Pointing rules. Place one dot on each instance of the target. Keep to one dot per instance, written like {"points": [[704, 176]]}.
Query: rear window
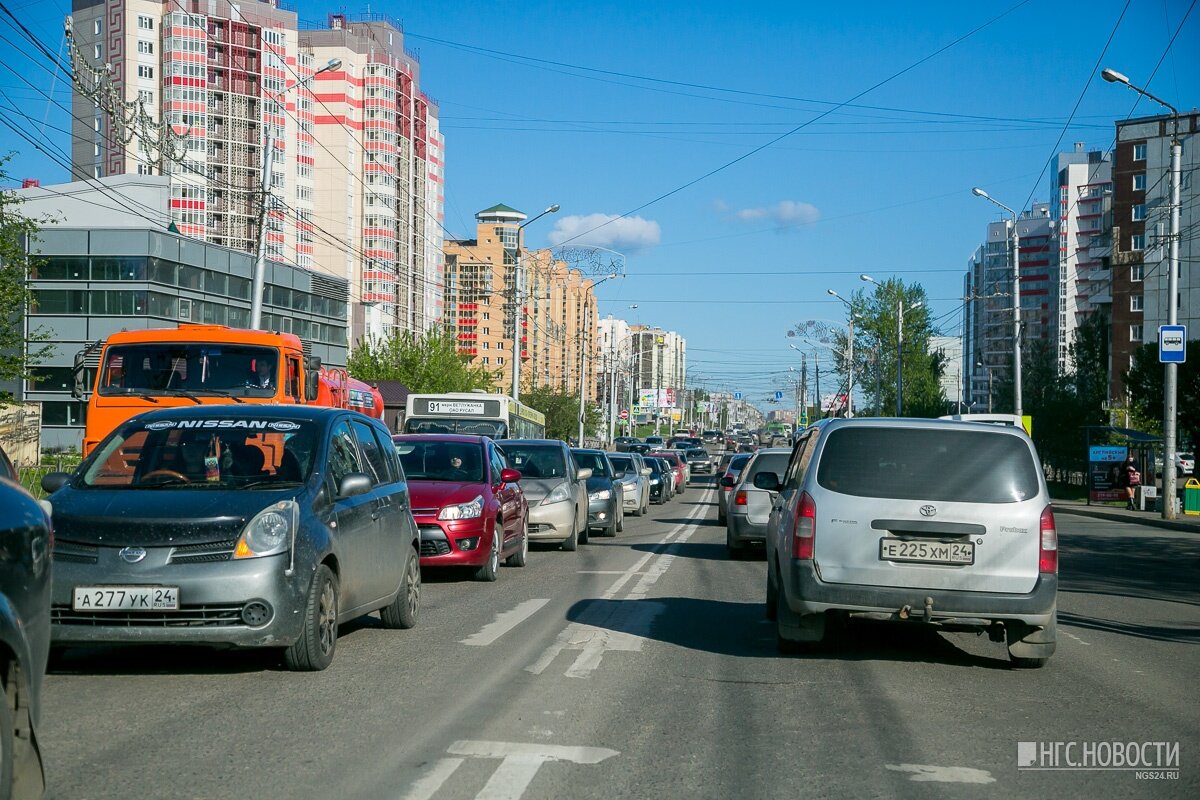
{"points": [[738, 462], [536, 461], [621, 464], [775, 463], [924, 464]]}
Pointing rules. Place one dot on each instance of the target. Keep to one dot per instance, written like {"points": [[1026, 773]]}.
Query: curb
{"points": [[1184, 525]]}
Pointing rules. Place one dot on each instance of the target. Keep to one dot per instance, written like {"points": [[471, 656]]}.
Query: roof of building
{"points": [[394, 393], [500, 208]]}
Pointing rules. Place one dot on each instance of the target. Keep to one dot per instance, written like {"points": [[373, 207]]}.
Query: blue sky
{"points": [[876, 188]]}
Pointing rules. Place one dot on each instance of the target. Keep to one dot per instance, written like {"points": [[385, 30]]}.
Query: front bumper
{"points": [[603, 514], [212, 598], [743, 531], [551, 523], [806, 593], [443, 542]]}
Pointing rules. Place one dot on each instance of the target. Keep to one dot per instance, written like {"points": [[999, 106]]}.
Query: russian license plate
{"points": [[927, 552], [126, 598]]}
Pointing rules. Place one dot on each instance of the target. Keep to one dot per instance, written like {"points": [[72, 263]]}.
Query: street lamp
{"points": [[268, 162], [516, 315], [989, 368], [583, 354], [849, 354], [900, 309], [1016, 298], [1171, 370]]}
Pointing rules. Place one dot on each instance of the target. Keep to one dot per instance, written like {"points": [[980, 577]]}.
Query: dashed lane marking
{"points": [[504, 622], [928, 772]]}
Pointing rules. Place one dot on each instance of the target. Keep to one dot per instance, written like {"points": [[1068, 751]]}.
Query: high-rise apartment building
{"points": [[197, 89], [1082, 182], [1140, 229], [660, 360], [559, 321]]}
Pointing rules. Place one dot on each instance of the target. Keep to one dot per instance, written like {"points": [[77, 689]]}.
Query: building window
{"points": [[96, 149], [1139, 212], [486, 331], [145, 23], [1139, 152], [499, 359], [1137, 272], [97, 26], [146, 48], [98, 51], [98, 171], [486, 315], [1139, 182], [1135, 302], [145, 169], [1135, 333], [485, 360], [145, 71], [1137, 241], [145, 96]]}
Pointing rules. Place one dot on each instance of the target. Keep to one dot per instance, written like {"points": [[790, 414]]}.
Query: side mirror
{"points": [[53, 481], [647, 471], [728, 481], [508, 475], [354, 484], [312, 384], [583, 474], [768, 481], [78, 387]]}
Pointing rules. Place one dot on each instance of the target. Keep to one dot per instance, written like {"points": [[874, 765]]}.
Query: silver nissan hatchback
{"points": [[928, 522]]}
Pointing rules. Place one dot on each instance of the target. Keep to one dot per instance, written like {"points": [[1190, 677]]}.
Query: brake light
{"points": [[739, 499], [1048, 545], [804, 534]]}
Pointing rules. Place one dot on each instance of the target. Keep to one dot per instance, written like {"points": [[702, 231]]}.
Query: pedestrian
{"points": [[1130, 479]]}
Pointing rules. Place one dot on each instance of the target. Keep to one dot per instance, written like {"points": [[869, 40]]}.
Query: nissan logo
{"points": [[928, 511], [132, 554]]}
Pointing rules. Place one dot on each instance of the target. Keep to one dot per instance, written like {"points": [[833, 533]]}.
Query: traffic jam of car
{"points": [[269, 526]]}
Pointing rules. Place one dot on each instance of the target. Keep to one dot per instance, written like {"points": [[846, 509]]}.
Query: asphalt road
{"points": [[642, 667]]}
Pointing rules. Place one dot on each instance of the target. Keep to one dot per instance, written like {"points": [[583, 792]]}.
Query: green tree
{"points": [[562, 411], [425, 363], [17, 232], [875, 333], [1144, 381]]}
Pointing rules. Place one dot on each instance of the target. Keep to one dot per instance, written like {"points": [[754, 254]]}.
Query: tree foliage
{"points": [[1144, 381], [425, 363], [17, 357], [562, 412]]}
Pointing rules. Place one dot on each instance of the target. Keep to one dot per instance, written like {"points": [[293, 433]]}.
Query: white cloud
{"points": [[625, 233], [785, 212]]}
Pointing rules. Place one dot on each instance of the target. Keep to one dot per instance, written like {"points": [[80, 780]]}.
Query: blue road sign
{"points": [[737, 395], [1172, 344], [778, 395]]}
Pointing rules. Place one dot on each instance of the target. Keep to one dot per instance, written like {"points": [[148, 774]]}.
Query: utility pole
{"points": [[518, 276]]}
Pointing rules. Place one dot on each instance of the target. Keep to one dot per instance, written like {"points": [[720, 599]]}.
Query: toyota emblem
{"points": [[928, 511], [132, 554]]}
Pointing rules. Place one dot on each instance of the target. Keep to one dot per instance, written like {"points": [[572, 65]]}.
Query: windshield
{"points": [[249, 453], [596, 462], [493, 428], [441, 461], [537, 461], [162, 368], [924, 464], [697, 452]]}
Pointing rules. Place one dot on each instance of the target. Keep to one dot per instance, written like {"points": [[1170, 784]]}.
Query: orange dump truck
{"points": [[197, 364]]}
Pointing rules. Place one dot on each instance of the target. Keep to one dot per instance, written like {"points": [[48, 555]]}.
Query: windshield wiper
{"points": [[140, 393], [218, 393], [182, 393], [271, 484]]}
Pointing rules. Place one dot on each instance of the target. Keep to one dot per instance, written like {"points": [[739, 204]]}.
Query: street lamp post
{"points": [[583, 356], [1170, 371], [900, 309], [989, 368], [1018, 409], [849, 354], [268, 163], [516, 315]]}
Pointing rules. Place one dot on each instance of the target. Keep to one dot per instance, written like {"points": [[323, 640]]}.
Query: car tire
{"points": [[572, 541], [585, 535], [721, 518], [315, 648], [402, 613], [521, 557], [488, 570], [619, 525]]}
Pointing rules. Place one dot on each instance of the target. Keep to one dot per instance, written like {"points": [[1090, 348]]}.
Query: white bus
{"points": [[495, 415]]}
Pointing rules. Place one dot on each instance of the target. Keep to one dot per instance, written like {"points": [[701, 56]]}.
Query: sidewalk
{"points": [[1154, 519]]}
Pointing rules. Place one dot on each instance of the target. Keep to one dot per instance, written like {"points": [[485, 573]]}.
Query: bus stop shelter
{"points": [[1107, 448]]}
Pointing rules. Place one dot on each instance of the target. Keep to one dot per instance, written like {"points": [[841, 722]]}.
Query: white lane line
{"points": [[599, 572], [928, 772], [546, 752], [432, 780], [504, 622], [1070, 635]]}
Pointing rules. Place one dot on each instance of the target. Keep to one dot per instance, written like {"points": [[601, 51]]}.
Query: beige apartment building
{"points": [[195, 89], [559, 317]]}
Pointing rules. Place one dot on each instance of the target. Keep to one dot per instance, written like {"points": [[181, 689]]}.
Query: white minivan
{"points": [[920, 521]]}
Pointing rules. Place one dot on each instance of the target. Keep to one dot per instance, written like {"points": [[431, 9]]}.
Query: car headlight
{"points": [[601, 494], [471, 510], [655, 481], [271, 531], [629, 487], [558, 494]]}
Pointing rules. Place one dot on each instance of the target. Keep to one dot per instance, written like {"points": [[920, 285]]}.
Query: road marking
{"points": [[431, 781], [1070, 635], [928, 772], [504, 622]]}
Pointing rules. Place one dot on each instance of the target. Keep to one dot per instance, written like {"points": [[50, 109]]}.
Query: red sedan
{"points": [[467, 503], [678, 464]]}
